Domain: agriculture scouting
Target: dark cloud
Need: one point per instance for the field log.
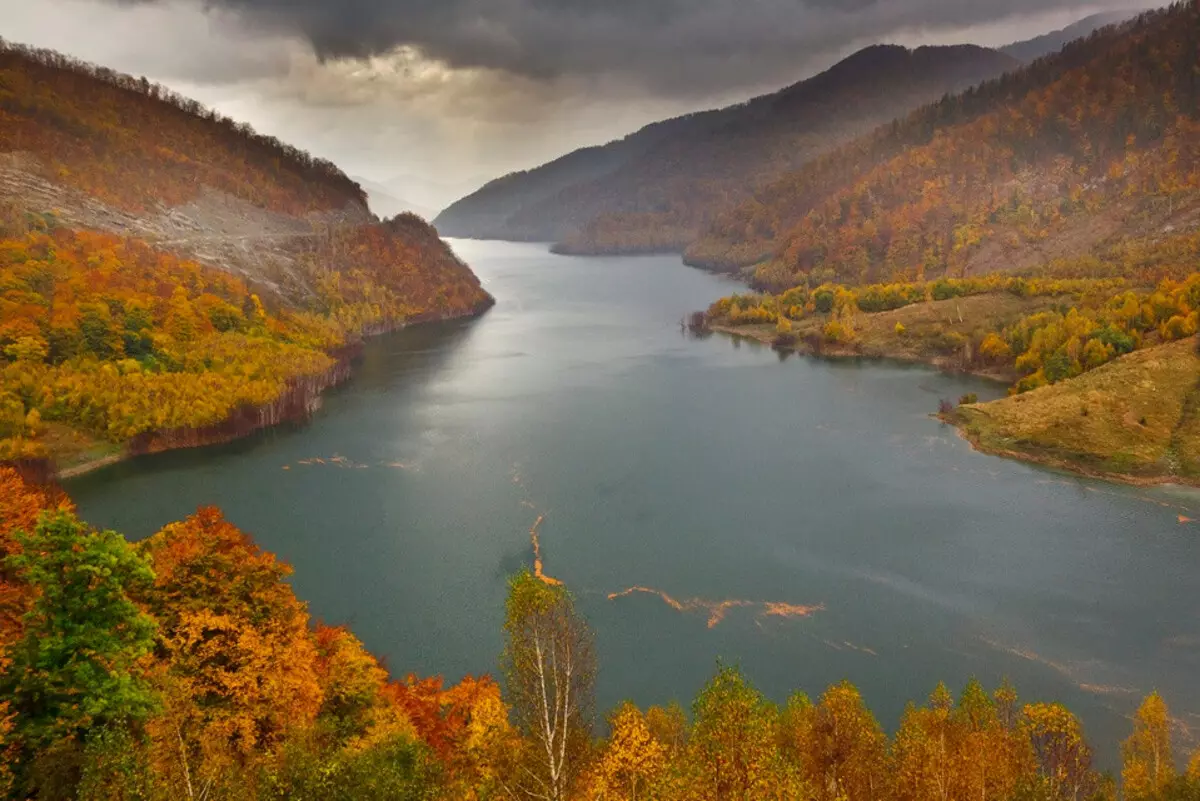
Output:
(665, 45)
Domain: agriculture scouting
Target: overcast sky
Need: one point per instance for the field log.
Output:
(433, 97)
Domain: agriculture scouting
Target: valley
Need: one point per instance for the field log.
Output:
(862, 414)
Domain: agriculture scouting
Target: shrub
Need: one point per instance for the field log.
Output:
(836, 332)
(994, 349)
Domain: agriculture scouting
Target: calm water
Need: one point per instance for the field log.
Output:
(701, 469)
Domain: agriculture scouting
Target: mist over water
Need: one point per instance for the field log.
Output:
(804, 518)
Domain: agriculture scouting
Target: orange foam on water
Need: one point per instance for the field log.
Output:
(537, 554)
(780, 609)
(716, 610)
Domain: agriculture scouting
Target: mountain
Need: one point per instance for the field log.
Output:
(1073, 155)
(655, 189)
(1048, 43)
(1043, 228)
(168, 277)
(486, 213)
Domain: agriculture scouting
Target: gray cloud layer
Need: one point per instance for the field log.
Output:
(448, 93)
(668, 46)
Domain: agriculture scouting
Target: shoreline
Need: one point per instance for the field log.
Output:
(959, 423)
(1064, 464)
(298, 402)
(843, 352)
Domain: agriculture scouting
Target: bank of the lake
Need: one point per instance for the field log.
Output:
(299, 399)
(709, 470)
(1088, 425)
(1135, 419)
(1065, 463)
(765, 335)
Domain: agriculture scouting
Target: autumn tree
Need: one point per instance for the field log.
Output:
(466, 726)
(238, 667)
(1064, 758)
(1149, 765)
(79, 663)
(632, 759)
(927, 751)
(733, 743)
(549, 669)
(21, 503)
(395, 769)
(969, 750)
(847, 755)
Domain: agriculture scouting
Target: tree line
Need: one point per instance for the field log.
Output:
(184, 666)
(1089, 322)
(136, 144)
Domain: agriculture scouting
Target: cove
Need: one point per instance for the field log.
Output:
(806, 519)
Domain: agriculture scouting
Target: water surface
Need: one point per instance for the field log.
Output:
(702, 469)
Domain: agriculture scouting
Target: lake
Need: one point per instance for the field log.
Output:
(853, 535)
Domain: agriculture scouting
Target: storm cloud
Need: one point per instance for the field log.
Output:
(667, 46)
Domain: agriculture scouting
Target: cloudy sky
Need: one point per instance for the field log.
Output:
(433, 97)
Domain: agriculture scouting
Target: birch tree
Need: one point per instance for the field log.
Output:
(550, 670)
(1148, 764)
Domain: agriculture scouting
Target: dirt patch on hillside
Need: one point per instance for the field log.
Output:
(216, 229)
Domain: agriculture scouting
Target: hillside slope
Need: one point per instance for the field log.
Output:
(1096, 145)
(658, 187)
(1137, 417)
(168, 277)
(487, 212)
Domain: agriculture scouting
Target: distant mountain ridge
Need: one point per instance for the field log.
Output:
(485, 213)
(656, 188)
(1048, 43)
(1079, 155)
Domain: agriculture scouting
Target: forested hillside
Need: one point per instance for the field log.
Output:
(185, 667)
(487, 212)
(1056, 229)
(658, 187)
(137, 145)
(169, 277)
(1074, 155)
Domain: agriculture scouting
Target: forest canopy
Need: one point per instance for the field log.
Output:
(187, 668)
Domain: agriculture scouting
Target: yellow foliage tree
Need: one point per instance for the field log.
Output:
(1148, 763)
